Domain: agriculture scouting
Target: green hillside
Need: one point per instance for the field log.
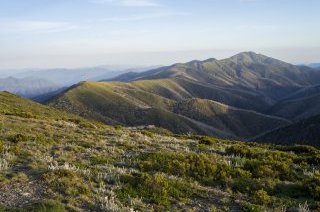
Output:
(161, 103)
(53, 161)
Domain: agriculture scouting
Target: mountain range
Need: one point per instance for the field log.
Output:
(68, 77)
(42, 84)
(240, 97)
(30, 87)
(314, 65)
(248, 96)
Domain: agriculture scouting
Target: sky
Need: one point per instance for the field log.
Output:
(82, 33)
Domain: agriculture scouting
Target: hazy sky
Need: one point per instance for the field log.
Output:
(75, 33)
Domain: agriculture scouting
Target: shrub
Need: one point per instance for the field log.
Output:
(100, 160)
(1, 146)
(198, 166)
(313, 187)
(157, 130)
(292, 190)
(248, 207)
(244, 185)
(19, 138)
(47, 206)
(262, 197)
(314, 159)
(299, 149)
(66, 182)
(207, 140)
(158, 188)
(21, 114)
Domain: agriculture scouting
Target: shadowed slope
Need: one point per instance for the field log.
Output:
(158, 102)
(303, 132)
(300, 105)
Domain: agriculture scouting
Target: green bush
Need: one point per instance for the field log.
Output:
(157, 130)
(157, 188)
(244, 185)
(313, 187)
(198, 166)
(269, 168)
(248, 207)
(100, 160)
(298, 149)
(1, 146)
(19, 138)
(207, 140)
(66, 182)
(21, 114)
(292, 190)
(47, 206)
(262, 197)
(313, 159)
(247, 185)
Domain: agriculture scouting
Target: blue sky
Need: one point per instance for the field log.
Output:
(77, 33)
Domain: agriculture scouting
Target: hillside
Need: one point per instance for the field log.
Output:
(164, 103)
(54, 161)
(237, 122)
(303, 132)
(299, 105)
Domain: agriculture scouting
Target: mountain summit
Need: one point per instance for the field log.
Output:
(248, 57)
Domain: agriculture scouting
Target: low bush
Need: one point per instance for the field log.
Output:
(248, 207)
(198, 166)
(66, 182)
(313, 186)
(157, 188)
(46, 206)
(207, 140)
(262, 197)
(19, 138)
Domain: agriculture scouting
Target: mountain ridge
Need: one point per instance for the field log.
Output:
(190, 97)
(135, 100)
(28, 87)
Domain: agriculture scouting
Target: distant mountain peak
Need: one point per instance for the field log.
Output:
(210, 60)
(248, 57)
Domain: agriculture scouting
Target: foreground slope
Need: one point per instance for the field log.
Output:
(174, 104)
(53, 161)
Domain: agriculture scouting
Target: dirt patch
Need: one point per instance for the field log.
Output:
(19, 195)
